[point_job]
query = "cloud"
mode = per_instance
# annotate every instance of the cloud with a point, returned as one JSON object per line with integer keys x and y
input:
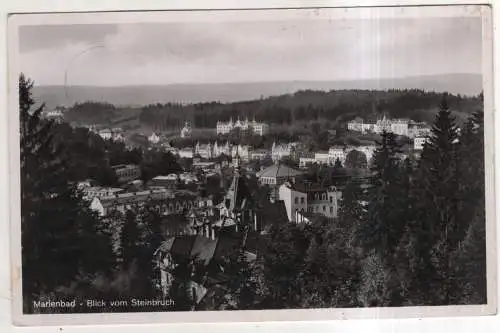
{"x": 38, "y": 37}
{"x": 164, "y": 53}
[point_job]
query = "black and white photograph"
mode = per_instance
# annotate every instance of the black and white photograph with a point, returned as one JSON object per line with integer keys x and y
{"x": 284, "y": 159}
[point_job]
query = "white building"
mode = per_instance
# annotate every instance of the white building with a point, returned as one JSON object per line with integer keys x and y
{"x": 56, "y": 114}
{"x": 106, "y": 134}
{"x": 204, "y": 150}
{"x": 254, "y": 126}
{"x": 382, "y": 125}
{"x": 221, "y": 149}
{"x": 322, "y": 158}
{"x": 260, "y": 154}
{"x": 186, "y": 130}
{"x": 418, "y": 143}
{"x": 282, "y": 150}
{"x": 260, "y": 128}
{"x": 114, "y": 134}
{"x": 359, "y": 125}
{"x": 337, "y": 153}
{"x": 304, "y": 162}
{"x": 302, "y": 199}
{"x": 396, "y": 126}
{"x": 91, "y": 192}
{"x": 399, "y": 127}
{"x": 244, "y": 152}
{"x": 418, "y": 130}
{"x": 186, "y": 153}
{"x": 154, "y": 138}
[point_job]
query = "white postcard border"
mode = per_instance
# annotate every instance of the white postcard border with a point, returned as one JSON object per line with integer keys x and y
{"x": 244, "y": 316}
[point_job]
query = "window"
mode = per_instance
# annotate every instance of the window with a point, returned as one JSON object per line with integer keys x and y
{"x": 324, "y": 208}
{"x": 302, "y": 200}
{"x": 331, "y": 210}
{"x": 296, "y": 200}
{"x": 331, "y": 199}
{"x": 323, "y": 196}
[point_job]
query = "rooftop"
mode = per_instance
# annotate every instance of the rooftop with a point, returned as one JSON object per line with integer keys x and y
{"x": 279, "y": 171}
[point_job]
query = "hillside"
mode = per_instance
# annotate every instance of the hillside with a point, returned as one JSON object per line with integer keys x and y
{"x": 289, "y": 110}
{"x": 464, "y": 84}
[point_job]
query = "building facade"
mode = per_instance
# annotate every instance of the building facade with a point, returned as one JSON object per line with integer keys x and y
{"x": 419, "y": 142}
{"x": 304, "y": 199}
{"x": 279, "y": 151}
{"x": 127, "y": 172}
{"x": 153, "y": 138}
{"x": 186, "y": 131}
{"x": 245, "y": 126}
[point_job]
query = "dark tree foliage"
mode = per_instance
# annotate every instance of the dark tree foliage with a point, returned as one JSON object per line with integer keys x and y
{"x": 61, "y": 237}
{"x": 356, "y": 160}
{"x": 382, "y": 228}
{"x": 305, "y": 106}
{"x": 156, "y": 163}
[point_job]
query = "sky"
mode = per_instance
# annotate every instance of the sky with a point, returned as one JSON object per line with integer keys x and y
{"x": 253, "y": 51}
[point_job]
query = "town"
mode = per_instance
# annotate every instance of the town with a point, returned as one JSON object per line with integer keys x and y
{"x": 256, "y": 187}
{"x": 318, "y": 163}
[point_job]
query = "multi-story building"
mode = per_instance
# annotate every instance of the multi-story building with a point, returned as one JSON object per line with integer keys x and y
{"x": 322, "y": 158}
{"x": 244, "y": 152}
{"x": 260, "y": 154}
{"x": 399, "y": 127}
{"x": 154, "y": 138}
{"x": 126, "y": 201}
{"x": 418, "y": 130}
{"x": 260, "y": 128}
{"x": 127, "y": 172}
{"x": 304, "y": 162}
{"x": 277, "y": 174}
{"x": 114, "y": 134}
{"x": 165, "y": 202}
{"x": 337, "y": 153}
{"x": 186, "y": 153}
{"x": 221, "y": 149}
{"x": 418, "y": 143}
{"x": 304, "y": 198}
{"x": 255, "y": 127}
{"x": 359, "y": 125}
{"x": 91, "y": 192}
{"x": 169, "y": 181}
{"x": 383, "y": 125}
{"x": 186, "y": 130}
{"x": 278, "y": 151}
{"x": 204, "y": 150}
{"x": 56, "y": 114}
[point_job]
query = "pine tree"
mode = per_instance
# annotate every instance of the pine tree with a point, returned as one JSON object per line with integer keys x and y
{"x": 437, "y": 193}
{"x": 381, "y": 231}
{"x": 61, "y": 237}
{"x": 470, "y": 263}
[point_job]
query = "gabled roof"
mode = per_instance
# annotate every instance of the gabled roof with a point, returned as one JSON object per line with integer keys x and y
{"x": 201, "y": 248}
{"x": 279, "y": 171}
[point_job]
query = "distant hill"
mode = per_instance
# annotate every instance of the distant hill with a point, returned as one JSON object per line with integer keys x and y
{"x": 464, "y": 84}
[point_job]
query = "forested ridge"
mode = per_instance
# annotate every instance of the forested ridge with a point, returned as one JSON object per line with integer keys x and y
{"x": 333, "y": 106}
{"x": 413, "y": 235}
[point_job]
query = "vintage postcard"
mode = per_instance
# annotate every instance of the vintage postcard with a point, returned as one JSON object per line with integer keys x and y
{"x": 226, "y": 165}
